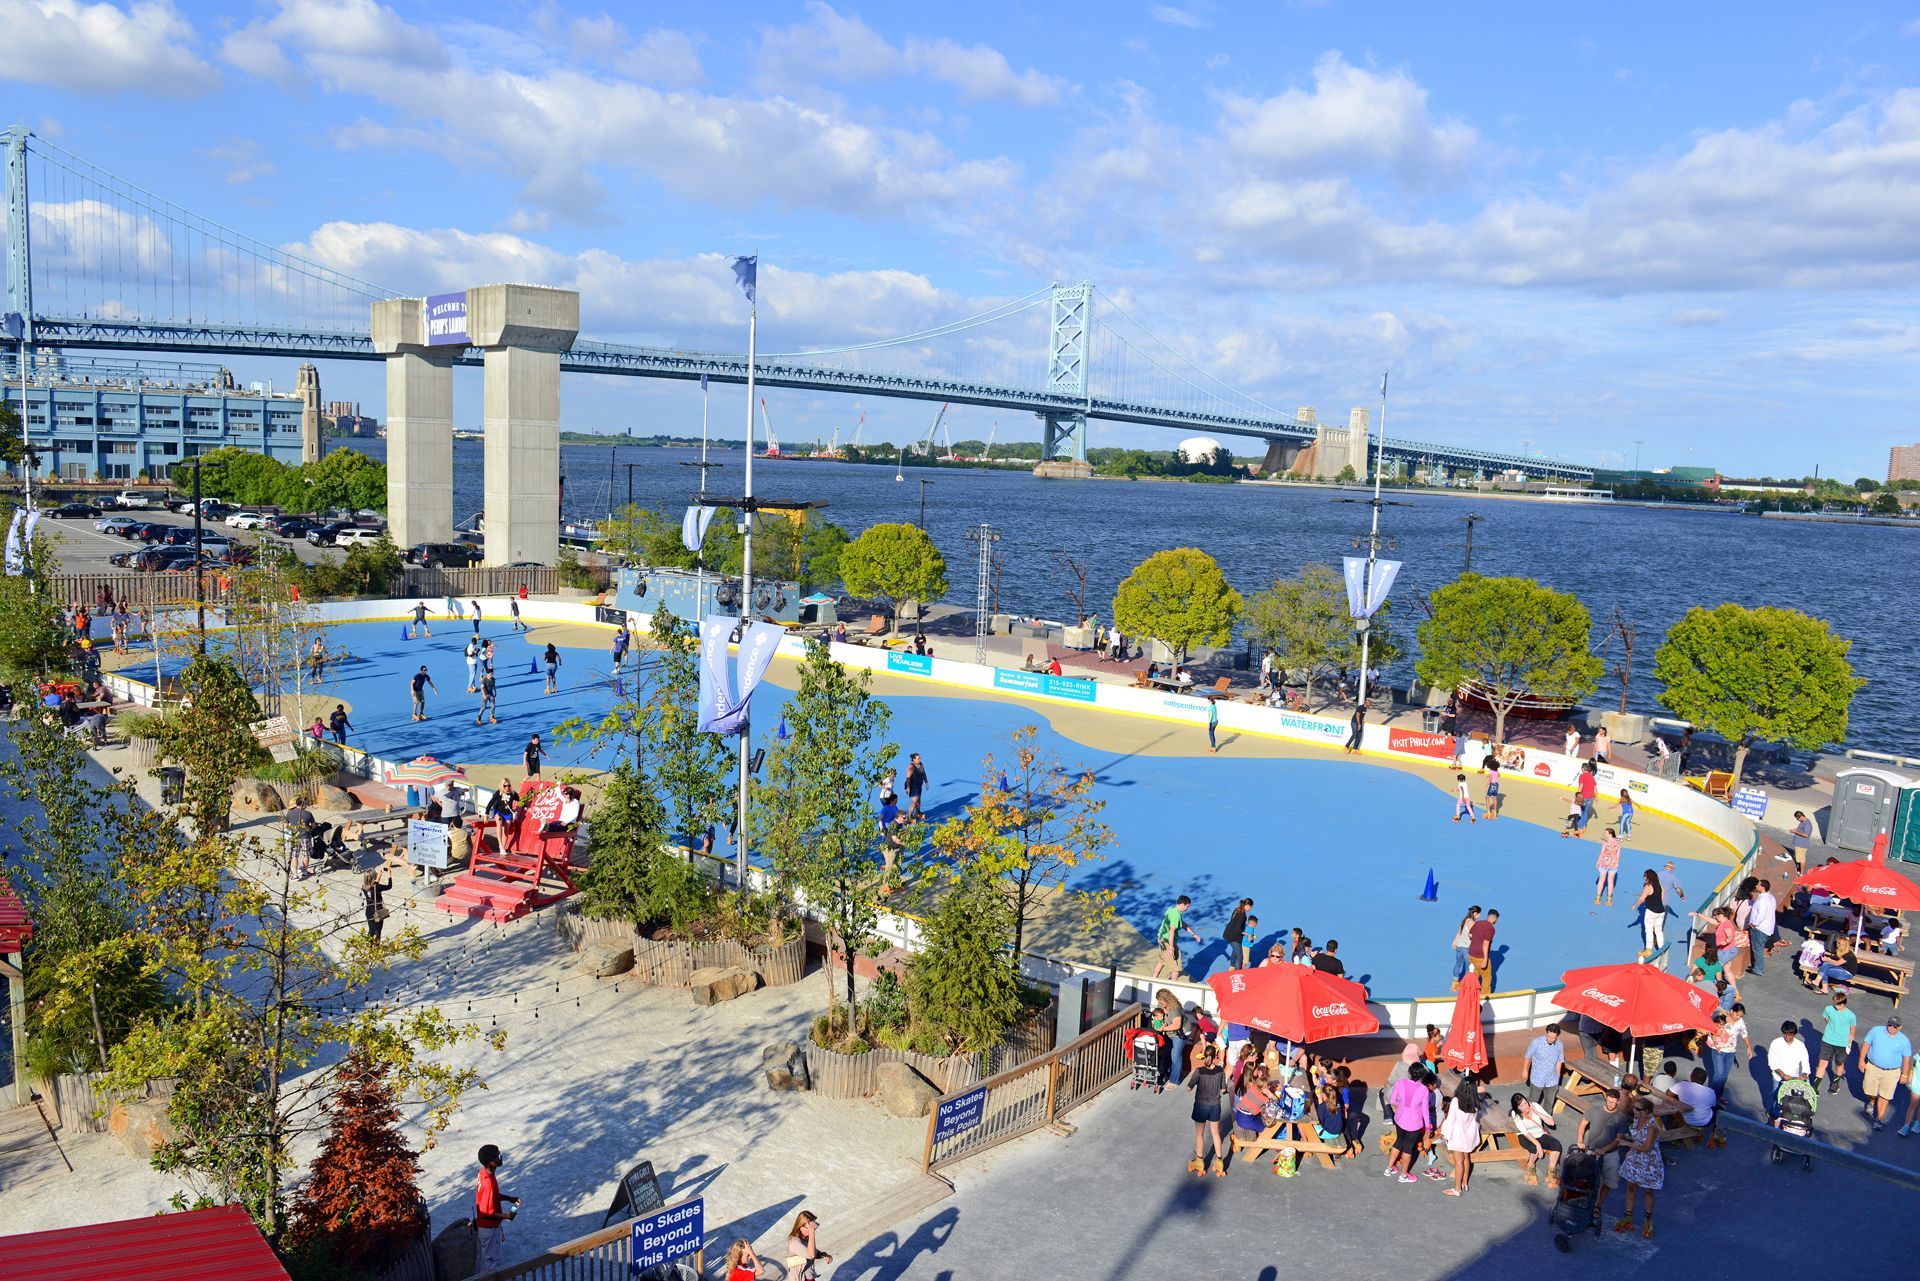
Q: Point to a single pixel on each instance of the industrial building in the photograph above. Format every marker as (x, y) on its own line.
(121, 420)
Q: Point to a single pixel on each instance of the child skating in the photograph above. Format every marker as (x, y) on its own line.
(1463, 800)
(1608, 865)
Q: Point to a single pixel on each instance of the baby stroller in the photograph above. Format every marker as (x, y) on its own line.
(1145, 1049)
(1797, 1101)
(1575, 1209)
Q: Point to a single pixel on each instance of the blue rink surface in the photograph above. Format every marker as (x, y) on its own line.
(1339, 848)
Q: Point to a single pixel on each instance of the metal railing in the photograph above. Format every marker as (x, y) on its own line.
(1036, 1093)
(605, 1255)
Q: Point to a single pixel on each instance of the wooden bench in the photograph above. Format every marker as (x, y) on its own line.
(1894, 987)
(1498, 1140)
(1565, 1100)
(1305, 1139)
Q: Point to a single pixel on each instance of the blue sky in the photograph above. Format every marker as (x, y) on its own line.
(1696, 227)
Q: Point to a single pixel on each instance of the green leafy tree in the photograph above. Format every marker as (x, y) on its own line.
(34, 633)
(1034, 824)
(13, 447)
(642, 534)
(59, 855)
(1304, 620)
(962, 984)
(212, 737)
(1178, 597)
(633, 875)
(694, 769)
(343, 478)
(812, 814)
(1347, 474)
(1750, 674)
(1866, 485)
(896, 563)
(1512, 637)
(1885, 503)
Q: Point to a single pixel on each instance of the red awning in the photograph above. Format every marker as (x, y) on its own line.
(15, 927)
(193, 1245)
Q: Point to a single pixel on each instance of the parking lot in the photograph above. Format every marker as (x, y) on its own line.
(84, 550)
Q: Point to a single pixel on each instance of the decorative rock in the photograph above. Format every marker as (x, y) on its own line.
(901, 1091)
(256, 796)
(334, 800)
(141, 1126)
(785, 1064)
(711, 986)
(604, 960)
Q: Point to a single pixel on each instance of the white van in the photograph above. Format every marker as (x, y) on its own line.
(131, 500)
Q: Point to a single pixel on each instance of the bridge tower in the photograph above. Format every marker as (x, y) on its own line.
(1069, 342)
(419, 423)
(19, 239)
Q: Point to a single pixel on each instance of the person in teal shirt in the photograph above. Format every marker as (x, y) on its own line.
(1213, 724)
(1836, 1039)
(1172, 921)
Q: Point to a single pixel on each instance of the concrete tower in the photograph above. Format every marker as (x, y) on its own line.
(308, 384)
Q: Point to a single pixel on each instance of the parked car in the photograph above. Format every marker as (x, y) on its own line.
(150, 560)
(180, 504)
(130, 500)
(441, 555)
(143, 531)
(125, 559)
(74, 511)
(182, 536)
(290, 526)
(350, 535)
(247, 520)
(323, 535)
(113, 524)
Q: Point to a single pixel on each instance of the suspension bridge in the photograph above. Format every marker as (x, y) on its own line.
(95, 262)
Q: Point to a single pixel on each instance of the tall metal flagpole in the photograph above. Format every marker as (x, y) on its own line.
(1373, 537)
(700, 561)
(746, 570)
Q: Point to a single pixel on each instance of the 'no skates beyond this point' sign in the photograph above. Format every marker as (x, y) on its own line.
(960, 1114)
(669, 1234)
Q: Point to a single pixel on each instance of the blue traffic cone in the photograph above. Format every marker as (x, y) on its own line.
(780, 732)
(1432, 893)
(406, 633)
(533, 668)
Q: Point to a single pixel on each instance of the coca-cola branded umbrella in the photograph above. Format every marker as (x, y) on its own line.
(1868, 882)
(1294, 1002)
(1465, 1049)
(1640, 1000)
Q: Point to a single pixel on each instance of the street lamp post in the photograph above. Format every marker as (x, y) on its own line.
(923, 503)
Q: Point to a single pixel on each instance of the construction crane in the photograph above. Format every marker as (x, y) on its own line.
(773, 441)
(858, 428)
(926, 446)
(986, 455)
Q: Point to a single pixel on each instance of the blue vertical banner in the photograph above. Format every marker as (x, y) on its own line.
(1356, 573)
(693, 527)
(716, 674)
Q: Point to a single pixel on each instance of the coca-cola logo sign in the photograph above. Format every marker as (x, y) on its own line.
(1543, 770)
(1610, 999)
(1878, 891)
(1328, 1011)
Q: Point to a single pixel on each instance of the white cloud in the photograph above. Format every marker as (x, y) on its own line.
(242, 161)
(1175, 16)
(144, 48)
(1352, 119)
(554, 127)
(1699, 316)
(840, 48)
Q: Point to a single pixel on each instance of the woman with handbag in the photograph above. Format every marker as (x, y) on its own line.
(372, 893)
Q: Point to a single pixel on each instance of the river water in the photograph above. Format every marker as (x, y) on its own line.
(1652, 563)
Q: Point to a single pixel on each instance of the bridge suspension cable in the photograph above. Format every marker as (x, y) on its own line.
(1001, 312)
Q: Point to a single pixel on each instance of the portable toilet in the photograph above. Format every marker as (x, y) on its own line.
(1905, 845)
(1863, 806)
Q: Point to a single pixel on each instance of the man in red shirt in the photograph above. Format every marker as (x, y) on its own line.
(1589, 788)
(488, 1212)
(1480, 950)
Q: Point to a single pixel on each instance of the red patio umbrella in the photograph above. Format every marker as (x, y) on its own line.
(1864, 881)
(1294, 1002)
(1640, 1000)
(1465, 1048)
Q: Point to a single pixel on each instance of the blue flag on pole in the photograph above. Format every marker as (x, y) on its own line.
(747, 271)
(703, 382)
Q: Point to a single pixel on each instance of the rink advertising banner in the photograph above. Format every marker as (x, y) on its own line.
(446, 317)
(1420, 743)
(914, 664)
(716, 673)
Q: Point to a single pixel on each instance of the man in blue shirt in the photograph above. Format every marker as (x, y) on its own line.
(1545, 1056)
(1886, 1063)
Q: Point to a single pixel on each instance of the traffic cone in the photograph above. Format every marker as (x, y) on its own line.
(406, 633)
(533, 668)
(1432, 893)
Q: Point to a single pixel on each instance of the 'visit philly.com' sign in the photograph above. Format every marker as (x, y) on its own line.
(447, 319)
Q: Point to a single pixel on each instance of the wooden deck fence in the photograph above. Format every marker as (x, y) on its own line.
(151, 591)
(466, 583)
(77, 1105)
(1038, 1092)
(605, 1255)
(415, 1265)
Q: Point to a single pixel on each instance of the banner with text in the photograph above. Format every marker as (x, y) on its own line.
(669, 1234)
(446, 316)
(1416, 742)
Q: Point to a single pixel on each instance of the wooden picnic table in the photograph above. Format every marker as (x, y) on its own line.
(1896, 969)
(1300, 1135)
(1590, 1074)
(1171, 685)
(1499, 1141)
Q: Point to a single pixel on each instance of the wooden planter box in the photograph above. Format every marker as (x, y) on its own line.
(671, 962)
(852, 1076)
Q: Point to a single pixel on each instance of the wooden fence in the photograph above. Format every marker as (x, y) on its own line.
(855, 1076)
(1036, 1093)
(466, 583)
(671, 962)
(605, 1255)
(415, 1265)
(77, 1105)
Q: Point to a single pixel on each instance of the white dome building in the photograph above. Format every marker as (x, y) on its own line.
(1198, 449)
